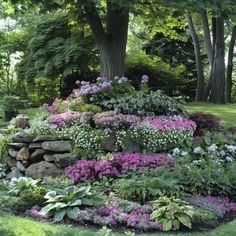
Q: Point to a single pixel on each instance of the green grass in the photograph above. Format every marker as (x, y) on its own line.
(226, 113)
(27, 227)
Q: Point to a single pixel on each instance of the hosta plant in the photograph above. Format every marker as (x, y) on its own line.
(69, 201)
(21, 184)
(172, 212)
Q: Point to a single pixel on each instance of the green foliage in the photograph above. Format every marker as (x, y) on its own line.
(29, 198)
(154, 103)
(45, 91)
(172, 212)
(162, 75)
(58, 182)
(68, 201)
(90, 108)
(147, 187)
(2, 171)
(201, 216)
(21, 184)
(13, 103)
(56, 48)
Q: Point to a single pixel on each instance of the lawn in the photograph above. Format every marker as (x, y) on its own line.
(226, 113)
(27, 227)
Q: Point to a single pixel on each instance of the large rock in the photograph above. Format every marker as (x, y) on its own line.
(22, 137)
(45, 138)
(43, 169)
(12, 152)
(35, 146)
(20, 166)
(37, 155)
(17, 145)
(132, 147)
(15, 173)
(57, 146)
(62, 160)
(11, 162)
(110, 144)
(23, 154)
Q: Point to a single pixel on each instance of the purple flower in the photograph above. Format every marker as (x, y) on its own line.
(77, 82)
(145, 79)
(122, 80)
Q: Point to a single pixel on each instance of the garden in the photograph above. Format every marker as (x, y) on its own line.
(117, 133)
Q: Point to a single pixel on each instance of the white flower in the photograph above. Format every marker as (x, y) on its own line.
(212, 148)
(228, 159)
(195, 162)
(176, 151)
(222, 153)
(198, 150)
(231, 148)
(184, 154)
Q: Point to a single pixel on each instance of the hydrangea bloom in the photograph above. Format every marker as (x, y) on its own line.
(144, 79)
(121, 164)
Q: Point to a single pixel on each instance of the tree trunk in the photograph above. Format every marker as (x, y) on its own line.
(111, 40)
(228, 87)
(207, 89)
(200, 74)
(218, 86)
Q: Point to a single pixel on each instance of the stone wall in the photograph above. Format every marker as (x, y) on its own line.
(40, 156)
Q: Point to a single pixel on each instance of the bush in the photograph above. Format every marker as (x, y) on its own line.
(205, 122)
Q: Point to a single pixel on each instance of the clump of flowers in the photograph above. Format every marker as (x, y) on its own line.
(121, 164)
(111, 120)
(205, 122)
(69, 119)
(167, 123)
(119, 212)
(218, 205)
(37, 214)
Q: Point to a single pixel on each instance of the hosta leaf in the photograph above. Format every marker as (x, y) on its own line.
(185, 220)
(76, 203)
(72, 213)
(167, 225)
(59, 215)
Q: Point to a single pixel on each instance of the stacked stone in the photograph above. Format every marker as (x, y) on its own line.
(40, 156)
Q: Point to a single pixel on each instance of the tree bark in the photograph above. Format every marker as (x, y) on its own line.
(111, 40)
(228, 86)
(207, 89)
(218, 86)
(200, 74)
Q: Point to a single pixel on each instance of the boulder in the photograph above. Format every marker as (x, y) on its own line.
(12, 152)
(45, 138)
(49, 157)
(37, 155)
(132, 147)
(15, 173)
(23, 154)
(43, 169)
(20, 166)
(62, 160)
(11, 162)
(110, 144)
(22, 137)
(35, 146)
(17, 145)
(57, 146)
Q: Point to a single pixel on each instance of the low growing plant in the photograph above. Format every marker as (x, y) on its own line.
(172, 212)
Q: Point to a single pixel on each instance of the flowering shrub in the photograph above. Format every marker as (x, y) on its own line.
(167, 123)
(110, 120)
(121, 164)
(119, 212)
(218, 205)
(69, 119)
(205, 122)
(150, 138)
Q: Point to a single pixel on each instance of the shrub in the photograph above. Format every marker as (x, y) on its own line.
(68, 201)
(30, 198)
(205, 122)
(172, 212)
(121, 164)
(148, 187)
(151, 104)
(90, 108)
